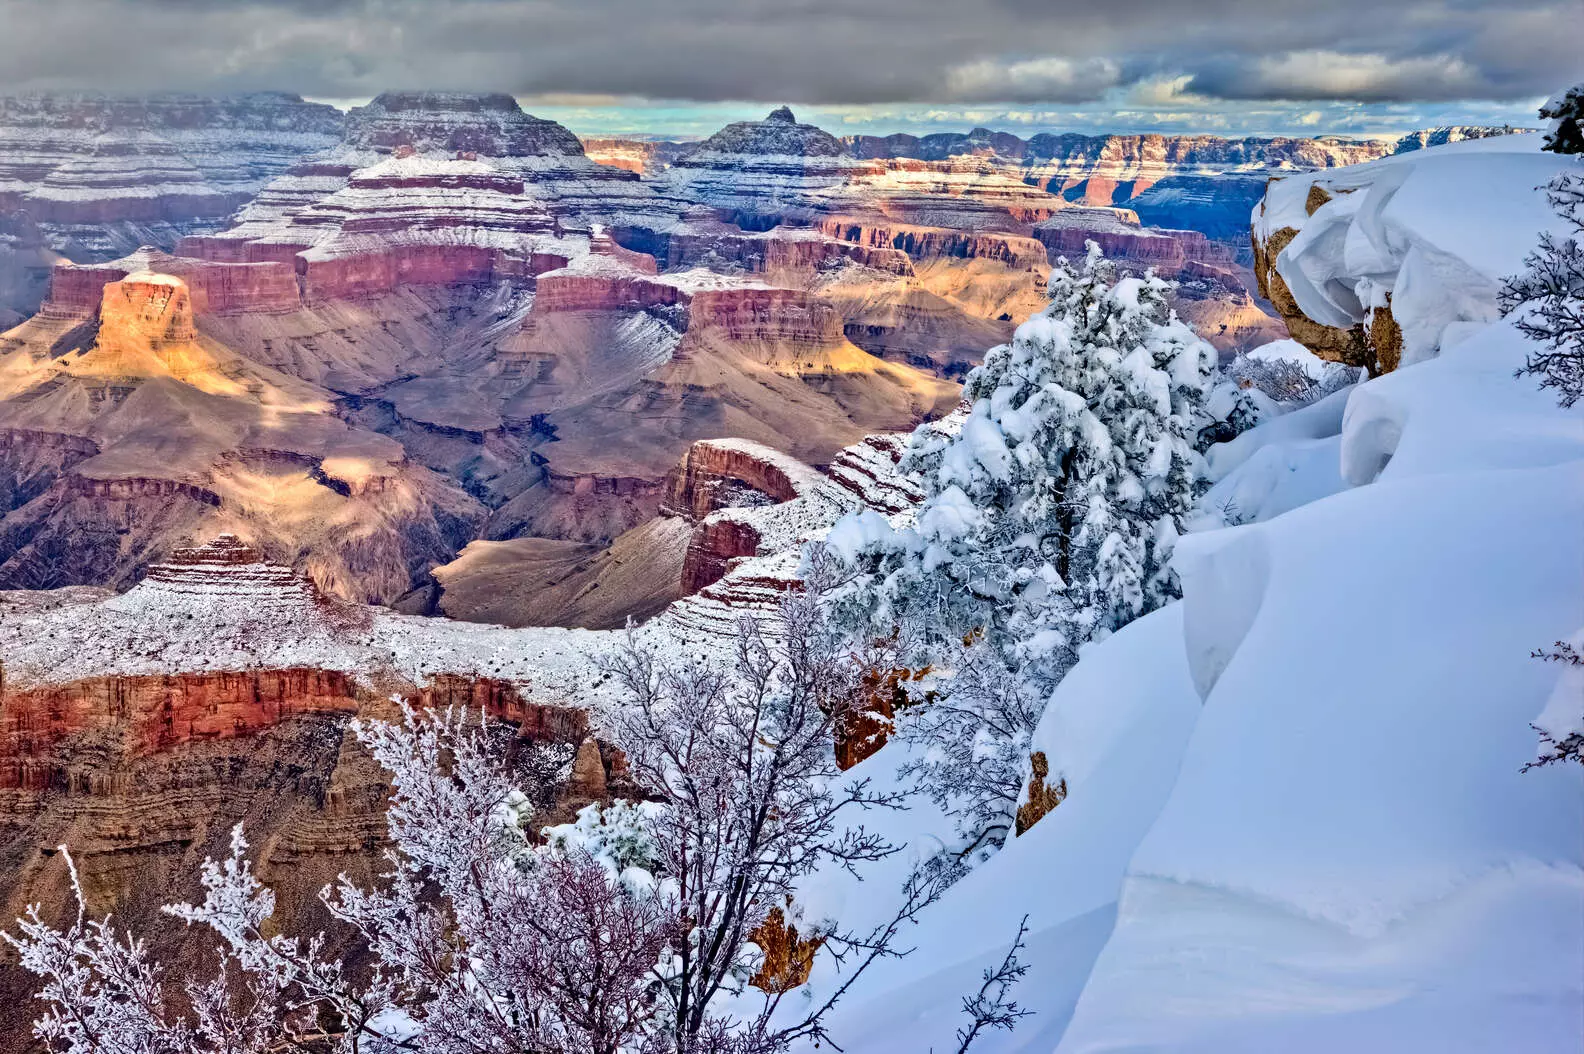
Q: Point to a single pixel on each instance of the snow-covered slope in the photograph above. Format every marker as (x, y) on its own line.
(1296, 819)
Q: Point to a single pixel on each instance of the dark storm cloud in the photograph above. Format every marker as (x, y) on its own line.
(838, 52)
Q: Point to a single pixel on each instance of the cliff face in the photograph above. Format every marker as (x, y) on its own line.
(1017, 252)
(150, 431)
(144, 776)
(76, 290)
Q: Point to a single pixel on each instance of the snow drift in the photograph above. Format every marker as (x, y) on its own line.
(1435, 230)
(1296, 819)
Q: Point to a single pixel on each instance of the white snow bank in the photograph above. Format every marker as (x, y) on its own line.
(1114, 730)
(1460, 413)
(1351, 857)
(1438, 229)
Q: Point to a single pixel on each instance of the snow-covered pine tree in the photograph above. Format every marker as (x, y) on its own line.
(1565, 111)
(1049, 517)
(1050, 512)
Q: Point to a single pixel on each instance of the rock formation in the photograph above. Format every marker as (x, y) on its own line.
(138, 729)
(148, 430)
(1393, 314)
(102, 175)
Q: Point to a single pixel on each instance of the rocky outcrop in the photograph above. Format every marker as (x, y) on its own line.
(782, 251)
(869, 470)
(788, 958)
(742, 496)
(778, 134)
(1042, 797)
(407, 220)
(775, 326)
(535, 168)
(719, 474)
(490, 125)
(76, 290)
(150, 714)
(604, 283)
(1125, 241)
(712, 548)
(769, 324)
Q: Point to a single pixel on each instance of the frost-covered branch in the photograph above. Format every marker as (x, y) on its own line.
(1546, 300)
(991, 1007)
(1561, 726)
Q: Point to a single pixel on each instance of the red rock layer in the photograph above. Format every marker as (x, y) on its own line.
(154, 713)
(789, 318)
(216, 288)
(701, 482)
(710, 243)
(615, 289)
(712, 548)
(1169, 252)
(927, 243)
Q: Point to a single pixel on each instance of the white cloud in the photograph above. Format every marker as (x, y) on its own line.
(1033, 80)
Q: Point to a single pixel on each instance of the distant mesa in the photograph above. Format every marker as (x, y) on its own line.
(491, 124)
(778, 133)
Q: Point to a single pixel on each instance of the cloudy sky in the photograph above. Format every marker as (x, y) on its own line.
(686, 66)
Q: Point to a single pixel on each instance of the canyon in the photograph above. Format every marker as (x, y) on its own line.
(138, 727)
(436, 320)
(307, 415)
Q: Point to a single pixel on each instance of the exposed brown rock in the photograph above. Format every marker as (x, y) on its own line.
(215, 288)
(701, 482)
(788, 958)
(1386, 337)
(925, 243)
(863, 730)
(711, 549)
(1041, 798)
(1349, 346)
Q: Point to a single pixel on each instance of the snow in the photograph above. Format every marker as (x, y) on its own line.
(1437, 229)
(1114, 730)
(1296, 817)
(1563, 715)
(1290, 350)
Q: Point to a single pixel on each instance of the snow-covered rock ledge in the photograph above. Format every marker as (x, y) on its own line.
(1386, 263)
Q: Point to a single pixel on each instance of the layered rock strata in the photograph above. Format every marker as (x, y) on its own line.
(131, 428)
(102, 175)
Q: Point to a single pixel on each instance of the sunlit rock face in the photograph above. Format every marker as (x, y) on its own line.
(129, 430)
